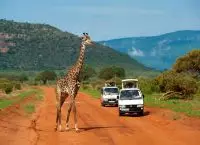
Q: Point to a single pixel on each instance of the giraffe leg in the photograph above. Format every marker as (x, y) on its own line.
(68, 115)
(58, 108)
(75, 116)
(60, 100)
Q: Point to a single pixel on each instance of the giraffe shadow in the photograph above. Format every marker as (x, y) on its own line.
(99, 127)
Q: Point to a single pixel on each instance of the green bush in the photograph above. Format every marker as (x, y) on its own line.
(111, 72)
(8, 88)
(46, 76)
(97, 84)
(177, 82)
(18, 86)
(148, 86)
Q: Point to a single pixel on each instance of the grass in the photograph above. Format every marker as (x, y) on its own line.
(94, 93)
(5, 102)
(188, 107)
(29, 108)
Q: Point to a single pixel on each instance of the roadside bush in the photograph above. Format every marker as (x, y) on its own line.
(23, 78)
(148, 86)
(8, 88)
(18, 86)
(46, 76)
(97, 83)
(177, 82)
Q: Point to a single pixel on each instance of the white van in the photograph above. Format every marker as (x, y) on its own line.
(109, 95)
(131, 99)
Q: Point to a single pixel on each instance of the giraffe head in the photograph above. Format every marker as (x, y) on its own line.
(86, 40)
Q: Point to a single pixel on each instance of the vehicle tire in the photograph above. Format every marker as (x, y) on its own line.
(120, 113)
(141, 113)
(102, 104)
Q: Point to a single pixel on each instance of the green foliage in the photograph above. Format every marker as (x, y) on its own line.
(40, 46)
(45, 76)
(93, 92)
(111, 72)
(18, 86)
(87, 72)
(177, 82)
(148, 85)
(6, 102)
(189, 63)
(189, 107)
(23, 77)
(97, 84)
(6, 85)
(14, 77)
(8, 88)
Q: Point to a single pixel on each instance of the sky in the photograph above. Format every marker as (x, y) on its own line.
(107, 19)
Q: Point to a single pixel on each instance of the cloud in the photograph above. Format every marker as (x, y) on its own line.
(153, 52)
(135, 52)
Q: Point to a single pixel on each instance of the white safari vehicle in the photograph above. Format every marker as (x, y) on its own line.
(130, 98)
(109, 94)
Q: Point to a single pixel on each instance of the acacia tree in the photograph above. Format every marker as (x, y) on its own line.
(87, 72)
(111, 72)
(45, 76)
(189, 63)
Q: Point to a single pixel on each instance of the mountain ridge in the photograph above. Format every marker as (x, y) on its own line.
(160, 51)
(29, 46)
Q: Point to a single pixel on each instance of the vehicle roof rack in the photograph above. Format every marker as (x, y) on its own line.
(129, 83)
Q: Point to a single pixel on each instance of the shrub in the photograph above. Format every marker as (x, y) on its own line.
(18, 86)
(87, 72)
(111, 72)
(45, 76)
(177, 82)
(189, 63)
(148, 86)
(8, 88)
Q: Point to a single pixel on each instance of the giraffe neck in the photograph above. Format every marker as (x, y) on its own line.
(80, 60)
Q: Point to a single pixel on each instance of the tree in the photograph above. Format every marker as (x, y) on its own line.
(23, 77)
(111, 72)
(177, 82)
(87, 72)
(189, 63)
(45, 76)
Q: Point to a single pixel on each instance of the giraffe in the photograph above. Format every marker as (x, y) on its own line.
(69, 85)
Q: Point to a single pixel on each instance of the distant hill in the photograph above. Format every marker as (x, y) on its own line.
(158, 52)
(39, 46)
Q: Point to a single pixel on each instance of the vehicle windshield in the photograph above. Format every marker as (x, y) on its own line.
(129, 95)
(110, 90)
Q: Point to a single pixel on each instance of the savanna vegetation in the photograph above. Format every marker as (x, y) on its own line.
(177, 89)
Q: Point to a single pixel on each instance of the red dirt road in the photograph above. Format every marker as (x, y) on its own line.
(102, 125)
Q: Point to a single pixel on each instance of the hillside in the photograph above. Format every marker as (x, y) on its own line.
(39, 46)
(158, 52)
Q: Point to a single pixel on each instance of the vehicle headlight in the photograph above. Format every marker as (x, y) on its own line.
(105, 99)
(140, 105)
(122, 106)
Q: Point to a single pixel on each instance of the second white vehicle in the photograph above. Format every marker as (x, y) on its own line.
(109, 96)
